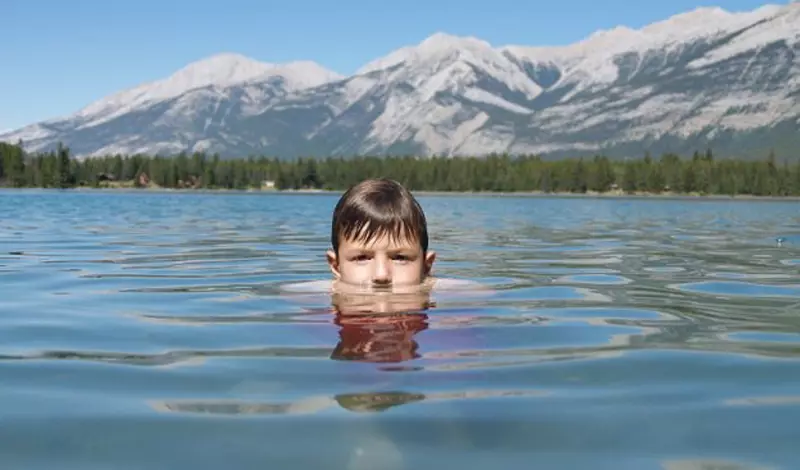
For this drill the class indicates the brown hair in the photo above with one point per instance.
(377, 207)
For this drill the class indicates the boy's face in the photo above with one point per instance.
(381, 263)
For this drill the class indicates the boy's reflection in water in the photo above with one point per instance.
(379, 327)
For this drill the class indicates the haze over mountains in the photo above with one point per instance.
(703, 78)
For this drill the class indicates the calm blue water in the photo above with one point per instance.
(149, 330)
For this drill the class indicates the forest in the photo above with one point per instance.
(699, 173)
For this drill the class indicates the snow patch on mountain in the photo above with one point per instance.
(415, 78)
(483, 96)
(446, 140)
(218, 72)
(591, 61)
(442, 61)
(784, 27)
(31, 133)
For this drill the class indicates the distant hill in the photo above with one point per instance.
(704, 78)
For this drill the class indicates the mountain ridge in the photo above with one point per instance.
(705, 77)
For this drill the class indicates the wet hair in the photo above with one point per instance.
(378, 207)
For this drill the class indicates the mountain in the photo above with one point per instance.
(201, 106)
(707, 77)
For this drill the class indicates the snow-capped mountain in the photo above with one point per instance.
(707, 77)
(198, 107)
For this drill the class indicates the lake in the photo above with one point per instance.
(150, 330)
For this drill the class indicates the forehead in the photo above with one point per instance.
(380, 242)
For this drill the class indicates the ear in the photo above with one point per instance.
(430, 257)
(333, 263)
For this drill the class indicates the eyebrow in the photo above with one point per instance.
(405, 249)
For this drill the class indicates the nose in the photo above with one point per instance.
(382, 274)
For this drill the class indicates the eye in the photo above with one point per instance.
(402, 258)
(361, 258)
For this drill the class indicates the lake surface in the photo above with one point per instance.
(150, 330)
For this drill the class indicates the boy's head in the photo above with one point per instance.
(379, 236)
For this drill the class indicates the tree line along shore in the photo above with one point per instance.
(697, 174)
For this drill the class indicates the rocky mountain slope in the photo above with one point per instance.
(706, 77)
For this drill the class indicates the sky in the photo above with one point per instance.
(57, 56)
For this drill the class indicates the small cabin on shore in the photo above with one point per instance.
(143, 179)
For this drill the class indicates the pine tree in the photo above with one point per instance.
(63, 168)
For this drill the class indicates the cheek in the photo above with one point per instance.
(353, 271)
(408, 272)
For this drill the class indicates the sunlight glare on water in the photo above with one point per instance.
(150, 330)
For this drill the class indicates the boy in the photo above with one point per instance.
(379, 244)
(379, 240)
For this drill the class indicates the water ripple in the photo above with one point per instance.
(616, 334)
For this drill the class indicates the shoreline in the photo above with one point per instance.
(614, 194)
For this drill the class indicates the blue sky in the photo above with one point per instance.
(57, 56)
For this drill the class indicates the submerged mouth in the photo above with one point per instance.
(381, 288)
